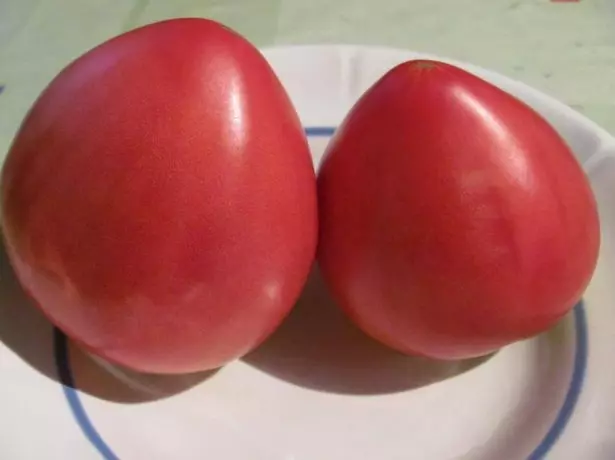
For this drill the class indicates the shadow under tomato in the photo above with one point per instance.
(26, 332)
(318, 347)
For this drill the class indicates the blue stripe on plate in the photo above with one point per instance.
(562, 419)
(60, 348)
(319, 131)
(574, 390)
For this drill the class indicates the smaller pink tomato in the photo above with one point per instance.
(454, 219)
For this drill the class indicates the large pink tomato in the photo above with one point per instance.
(159, 200)
(454, 219)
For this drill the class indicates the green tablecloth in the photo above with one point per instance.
(564, 48)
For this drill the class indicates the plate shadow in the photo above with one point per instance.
(318, 347)
(28, 333)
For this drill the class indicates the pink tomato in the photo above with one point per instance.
(159, 200)
(454, 219)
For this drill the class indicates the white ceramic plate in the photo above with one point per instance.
(320, 389)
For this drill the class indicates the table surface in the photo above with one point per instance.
(565, 48)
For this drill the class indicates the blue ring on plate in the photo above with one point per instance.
(563, 417)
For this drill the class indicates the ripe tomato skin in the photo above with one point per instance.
(454, 220)
(159, 200)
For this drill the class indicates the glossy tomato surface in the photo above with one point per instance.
(454, 219)
(159, 200)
